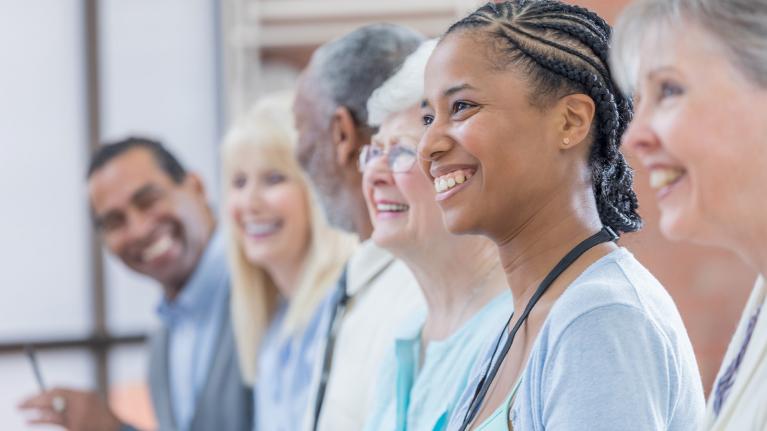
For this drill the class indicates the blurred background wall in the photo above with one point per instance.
(77, 72)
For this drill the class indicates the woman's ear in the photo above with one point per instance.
(577, 117)
(345, 139)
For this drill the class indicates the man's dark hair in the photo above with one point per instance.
(165, 160)
(563, 49)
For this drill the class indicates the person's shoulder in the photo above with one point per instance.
(614, 285)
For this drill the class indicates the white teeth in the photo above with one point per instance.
(660, 178)
(447, 182)
(261, 228)
(157, 248)
(396, 208)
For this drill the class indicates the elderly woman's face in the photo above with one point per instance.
(700, 130)
(399, 197)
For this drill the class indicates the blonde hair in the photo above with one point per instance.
(268, 130)
(739, 25)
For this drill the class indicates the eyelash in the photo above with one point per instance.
(456, 108)
(274, 178)
(668, 89)
(239, 181)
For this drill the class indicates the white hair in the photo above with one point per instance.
(403, 89)
(740, 26)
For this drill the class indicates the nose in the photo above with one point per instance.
(140, 224)
(640, 138)
(433, 145)
(252, 198)
(377, 172)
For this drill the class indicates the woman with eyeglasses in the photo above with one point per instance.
(521, 107)
(698, 70)
(460, 276)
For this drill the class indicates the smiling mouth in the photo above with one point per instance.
(664, 177)
(448, 181)
(391, 208)
(156, 249)
(262, 229)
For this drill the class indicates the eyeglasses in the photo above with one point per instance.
(400, 157)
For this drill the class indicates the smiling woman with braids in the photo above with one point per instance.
(523, 123)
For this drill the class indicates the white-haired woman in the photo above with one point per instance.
(698, 69)
(460, 276)
(284, 259)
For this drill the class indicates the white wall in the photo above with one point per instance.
(43, 222)
(158, 67)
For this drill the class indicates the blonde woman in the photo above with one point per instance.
(284, 259)
(698, 69)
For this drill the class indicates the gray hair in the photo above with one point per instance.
(739, 25)
(403, 89)
(348, 69)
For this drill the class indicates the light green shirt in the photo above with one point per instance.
(422, 399)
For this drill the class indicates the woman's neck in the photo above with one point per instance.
(529, 253)
(751, 245)
(286, 274)
(458, 275)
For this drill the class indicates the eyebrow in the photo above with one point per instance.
(145, 190)
(652, 73)
(457, 88)
(450, 91)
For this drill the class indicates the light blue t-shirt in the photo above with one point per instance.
(613, 354)
(421, 399)
(286, 365)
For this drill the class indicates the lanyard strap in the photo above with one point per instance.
(604, 235)
(341, 299)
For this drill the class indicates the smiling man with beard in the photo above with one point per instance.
(154, 216)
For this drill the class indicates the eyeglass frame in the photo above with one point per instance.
(391, 157)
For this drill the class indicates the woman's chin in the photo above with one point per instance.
(387, 239)
(457, 223)
(676, 227)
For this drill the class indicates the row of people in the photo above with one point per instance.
(454, 175)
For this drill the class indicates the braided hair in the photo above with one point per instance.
(564, 49)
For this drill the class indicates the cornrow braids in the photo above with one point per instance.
(564, 48)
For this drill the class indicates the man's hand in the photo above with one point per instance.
(73, 410)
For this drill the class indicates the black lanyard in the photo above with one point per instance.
(341, 298)
(604, 235)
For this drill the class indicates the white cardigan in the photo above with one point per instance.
(745, 409)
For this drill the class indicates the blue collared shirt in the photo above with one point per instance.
(286, 366)
(193, 320)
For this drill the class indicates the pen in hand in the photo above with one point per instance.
(32, 356)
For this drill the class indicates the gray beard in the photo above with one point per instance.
(338, 211)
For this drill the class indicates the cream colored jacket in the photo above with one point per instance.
(745, 409)
(383, 294)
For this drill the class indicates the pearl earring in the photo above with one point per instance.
(566, 141)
